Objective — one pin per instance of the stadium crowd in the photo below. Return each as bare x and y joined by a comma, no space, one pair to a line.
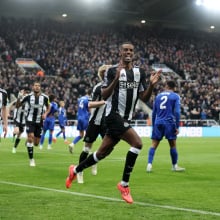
71,54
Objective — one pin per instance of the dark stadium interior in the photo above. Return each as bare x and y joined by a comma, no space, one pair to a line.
183,13
70,49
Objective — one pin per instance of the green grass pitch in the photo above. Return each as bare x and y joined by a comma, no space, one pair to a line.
39,193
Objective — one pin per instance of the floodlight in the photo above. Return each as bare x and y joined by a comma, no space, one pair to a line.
210,4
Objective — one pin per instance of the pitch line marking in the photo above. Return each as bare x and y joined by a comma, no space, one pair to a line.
113,199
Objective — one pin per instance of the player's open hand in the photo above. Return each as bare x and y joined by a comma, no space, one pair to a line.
155,77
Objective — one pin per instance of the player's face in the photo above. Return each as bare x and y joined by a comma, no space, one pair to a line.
127,52
36,87
62,104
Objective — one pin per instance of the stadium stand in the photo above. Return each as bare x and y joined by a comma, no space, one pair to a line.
71,54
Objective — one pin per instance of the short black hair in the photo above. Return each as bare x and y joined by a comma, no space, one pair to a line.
51,97
126,42
26,89
171,84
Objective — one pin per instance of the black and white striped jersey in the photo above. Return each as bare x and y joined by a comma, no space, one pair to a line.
20,114
97,113
35,106
3,98
125,95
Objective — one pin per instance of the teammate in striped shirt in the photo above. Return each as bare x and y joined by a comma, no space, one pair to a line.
3,109
19,118
37,102
96,125
123,84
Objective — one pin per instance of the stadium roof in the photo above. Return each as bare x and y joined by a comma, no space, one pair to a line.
173,13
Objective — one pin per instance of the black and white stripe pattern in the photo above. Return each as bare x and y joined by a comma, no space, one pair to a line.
124,98
97,113
20,114
3,98
36,106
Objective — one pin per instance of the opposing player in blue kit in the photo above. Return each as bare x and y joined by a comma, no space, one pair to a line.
62,122
165,121
82,118
49,122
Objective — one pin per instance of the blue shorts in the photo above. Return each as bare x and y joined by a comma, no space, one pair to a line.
49,124
164,130
62,123
82,124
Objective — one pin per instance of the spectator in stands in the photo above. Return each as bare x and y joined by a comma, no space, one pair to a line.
192,56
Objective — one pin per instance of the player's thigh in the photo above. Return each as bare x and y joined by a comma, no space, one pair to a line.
106,147
46,125
170,132
132,138
51,125
158,132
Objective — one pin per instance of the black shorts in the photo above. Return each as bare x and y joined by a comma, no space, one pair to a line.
20,126
93,131
35,128
116,125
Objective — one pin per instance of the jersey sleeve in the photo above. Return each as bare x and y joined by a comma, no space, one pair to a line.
109,77
24,99
96,93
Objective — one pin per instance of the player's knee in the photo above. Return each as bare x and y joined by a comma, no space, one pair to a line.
138,145
100,156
